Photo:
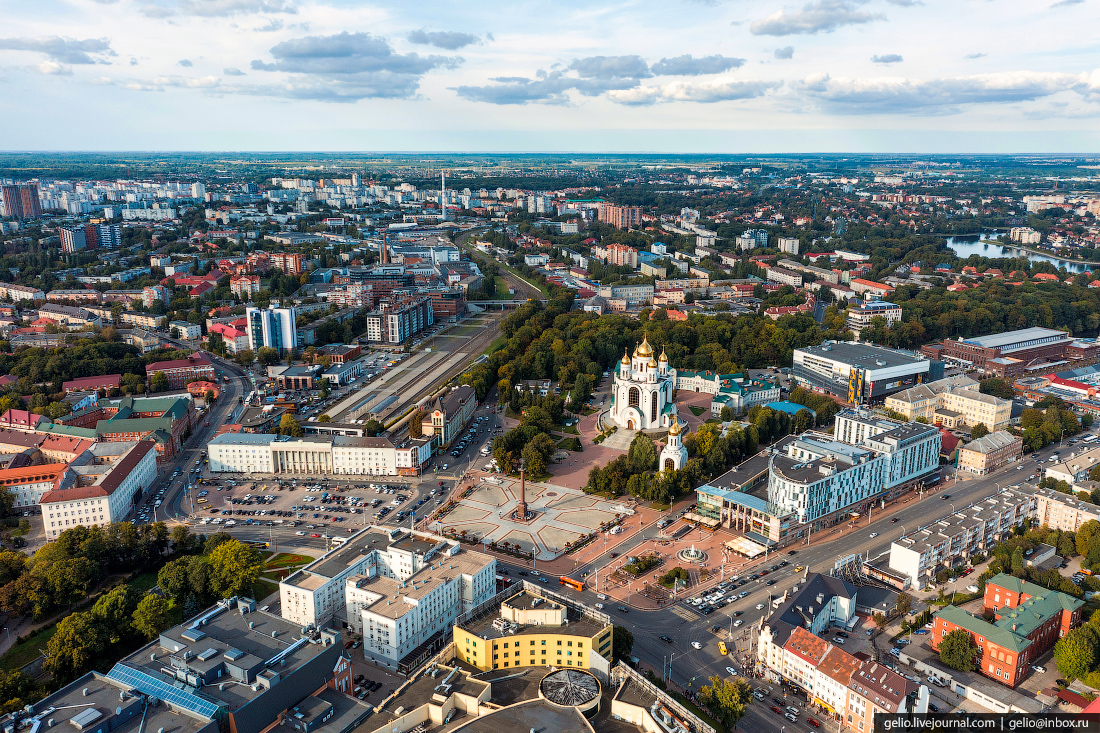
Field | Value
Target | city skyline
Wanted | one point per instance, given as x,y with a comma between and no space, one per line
685,76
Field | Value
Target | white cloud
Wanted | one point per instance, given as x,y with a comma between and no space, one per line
888,58
686,92
936,96
449,40
53,68
213,8
822,16
64,50
787,52
688,65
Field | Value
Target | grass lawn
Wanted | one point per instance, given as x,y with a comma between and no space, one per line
572,444
571,429
23,654
697,710
261,589
660,507
497,345
697,411
144,583
287,559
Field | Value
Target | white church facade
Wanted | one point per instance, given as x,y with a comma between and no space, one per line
642,392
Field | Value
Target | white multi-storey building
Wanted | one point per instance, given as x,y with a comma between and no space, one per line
339,454
272,327
107,478
395,586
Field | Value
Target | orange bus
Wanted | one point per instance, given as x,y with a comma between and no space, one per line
570,583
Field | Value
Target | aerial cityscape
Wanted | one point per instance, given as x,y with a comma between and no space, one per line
690,367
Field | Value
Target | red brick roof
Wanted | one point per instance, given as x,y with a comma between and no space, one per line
194,360
83,383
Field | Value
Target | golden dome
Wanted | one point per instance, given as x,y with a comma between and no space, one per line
645,349
675,429
625,359
652,364
664,356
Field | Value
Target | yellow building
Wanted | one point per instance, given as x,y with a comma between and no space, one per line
534,630
952,402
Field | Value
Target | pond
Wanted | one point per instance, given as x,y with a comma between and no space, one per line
965,246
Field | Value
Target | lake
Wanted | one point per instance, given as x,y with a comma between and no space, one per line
963,247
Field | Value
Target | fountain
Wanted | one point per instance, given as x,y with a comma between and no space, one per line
692,555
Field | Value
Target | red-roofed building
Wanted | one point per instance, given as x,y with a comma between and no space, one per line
21,420
29,484
870,287
178,371
199,389
235,339
1079,387
84,384
201,288
102,491
675,315
948,442
1046,277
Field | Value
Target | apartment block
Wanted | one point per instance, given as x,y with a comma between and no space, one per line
244,286
178,371
20,201
973,529
1063,511
860,318
1076,468
621,217
784,277
990,452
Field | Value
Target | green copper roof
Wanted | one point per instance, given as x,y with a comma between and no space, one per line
1001,637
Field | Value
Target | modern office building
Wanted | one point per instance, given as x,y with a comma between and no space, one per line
1028,620
973,529
534,627
860,318
397,319
860,373
274,328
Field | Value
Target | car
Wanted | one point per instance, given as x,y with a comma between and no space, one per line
874,535
791,717
601,596
932,708
903,642
599,606
1038,668
732,671
759,606
300,534
777,709
813,722
893,520
838,640
696,645
315,535
793,552
777,701
758,694
665,639
945,497
622,609
738,622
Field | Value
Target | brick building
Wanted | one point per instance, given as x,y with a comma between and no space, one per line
1028,620
289,263
621,217
1003,354
450,414
990,452
178,371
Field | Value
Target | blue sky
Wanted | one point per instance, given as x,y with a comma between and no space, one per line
644,75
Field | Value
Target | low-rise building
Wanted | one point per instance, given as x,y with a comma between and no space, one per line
534,628
184,330
178,371
331,454
68,316
860,318
142,320
1076,468
784,276
990,452
1028,620
450,414
83,384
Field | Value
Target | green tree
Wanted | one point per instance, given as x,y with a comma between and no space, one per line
642,455
957,650
289,426
183,542
622,642
1018,561
979,431
175,578
537,417
373,428
75,647
113,610
234,567
997,388
267,356
158,383
537,453
726,700
1077,652
416,429
1086,536
152,616
1094,474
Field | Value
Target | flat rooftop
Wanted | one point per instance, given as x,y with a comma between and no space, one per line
422,690
579,625
336,561
864,355
1010,338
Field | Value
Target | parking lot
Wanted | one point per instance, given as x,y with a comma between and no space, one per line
314,507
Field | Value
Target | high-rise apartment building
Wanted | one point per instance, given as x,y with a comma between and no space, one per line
20,201
289,263
73,239
198,191
621,217
152,293
91,236
272,327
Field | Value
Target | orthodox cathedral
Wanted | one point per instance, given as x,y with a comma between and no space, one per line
642,400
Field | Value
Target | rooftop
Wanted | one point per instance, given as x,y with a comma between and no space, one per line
1011,338
864,355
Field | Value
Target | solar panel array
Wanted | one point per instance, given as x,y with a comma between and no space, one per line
165,690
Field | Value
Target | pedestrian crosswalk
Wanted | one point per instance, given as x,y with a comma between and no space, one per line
685,613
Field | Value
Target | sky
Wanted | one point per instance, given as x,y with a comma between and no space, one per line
692,76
